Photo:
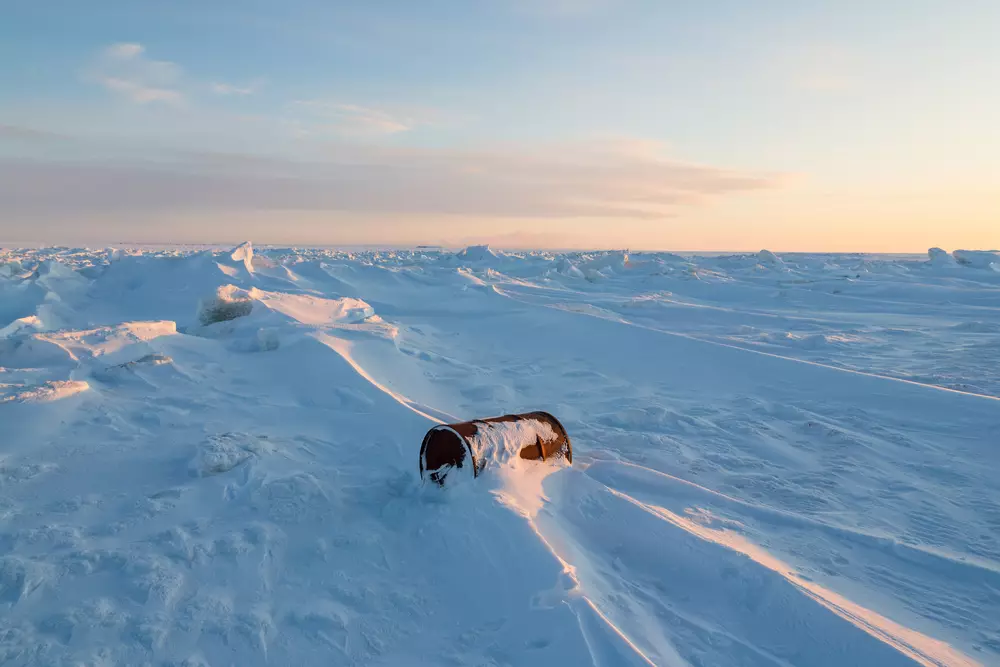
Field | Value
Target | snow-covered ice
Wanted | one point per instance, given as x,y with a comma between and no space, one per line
210,457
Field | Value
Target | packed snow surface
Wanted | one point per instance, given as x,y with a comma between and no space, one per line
210,457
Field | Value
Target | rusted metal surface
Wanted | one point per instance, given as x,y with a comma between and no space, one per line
447,447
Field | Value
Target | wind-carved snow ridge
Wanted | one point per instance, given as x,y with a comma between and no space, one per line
209,455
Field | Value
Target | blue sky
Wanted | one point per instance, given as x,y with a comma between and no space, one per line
715,125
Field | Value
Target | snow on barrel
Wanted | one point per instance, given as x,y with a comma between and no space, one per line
477,444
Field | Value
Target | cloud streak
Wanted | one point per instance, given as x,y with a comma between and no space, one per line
141,94
350,120
609,179
124,70
21,133
124,50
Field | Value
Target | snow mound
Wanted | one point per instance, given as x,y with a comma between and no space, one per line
477,253
768,258
21,325
149,330
940,257
53,268
976,326
567,268
808,342
978,259
9,269
228,303
221,453
316,310
605,264
152,359
257,320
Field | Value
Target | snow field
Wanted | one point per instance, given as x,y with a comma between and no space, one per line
210,458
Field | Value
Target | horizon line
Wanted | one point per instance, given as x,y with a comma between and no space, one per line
223,244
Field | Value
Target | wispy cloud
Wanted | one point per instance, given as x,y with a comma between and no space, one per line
602,179
220,88
124,50
140,93
124,70
28,134
349,119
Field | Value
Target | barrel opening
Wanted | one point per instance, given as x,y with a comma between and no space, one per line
443,450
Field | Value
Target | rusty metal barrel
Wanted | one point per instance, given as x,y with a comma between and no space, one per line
476,444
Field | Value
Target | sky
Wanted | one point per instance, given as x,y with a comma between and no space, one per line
724,125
